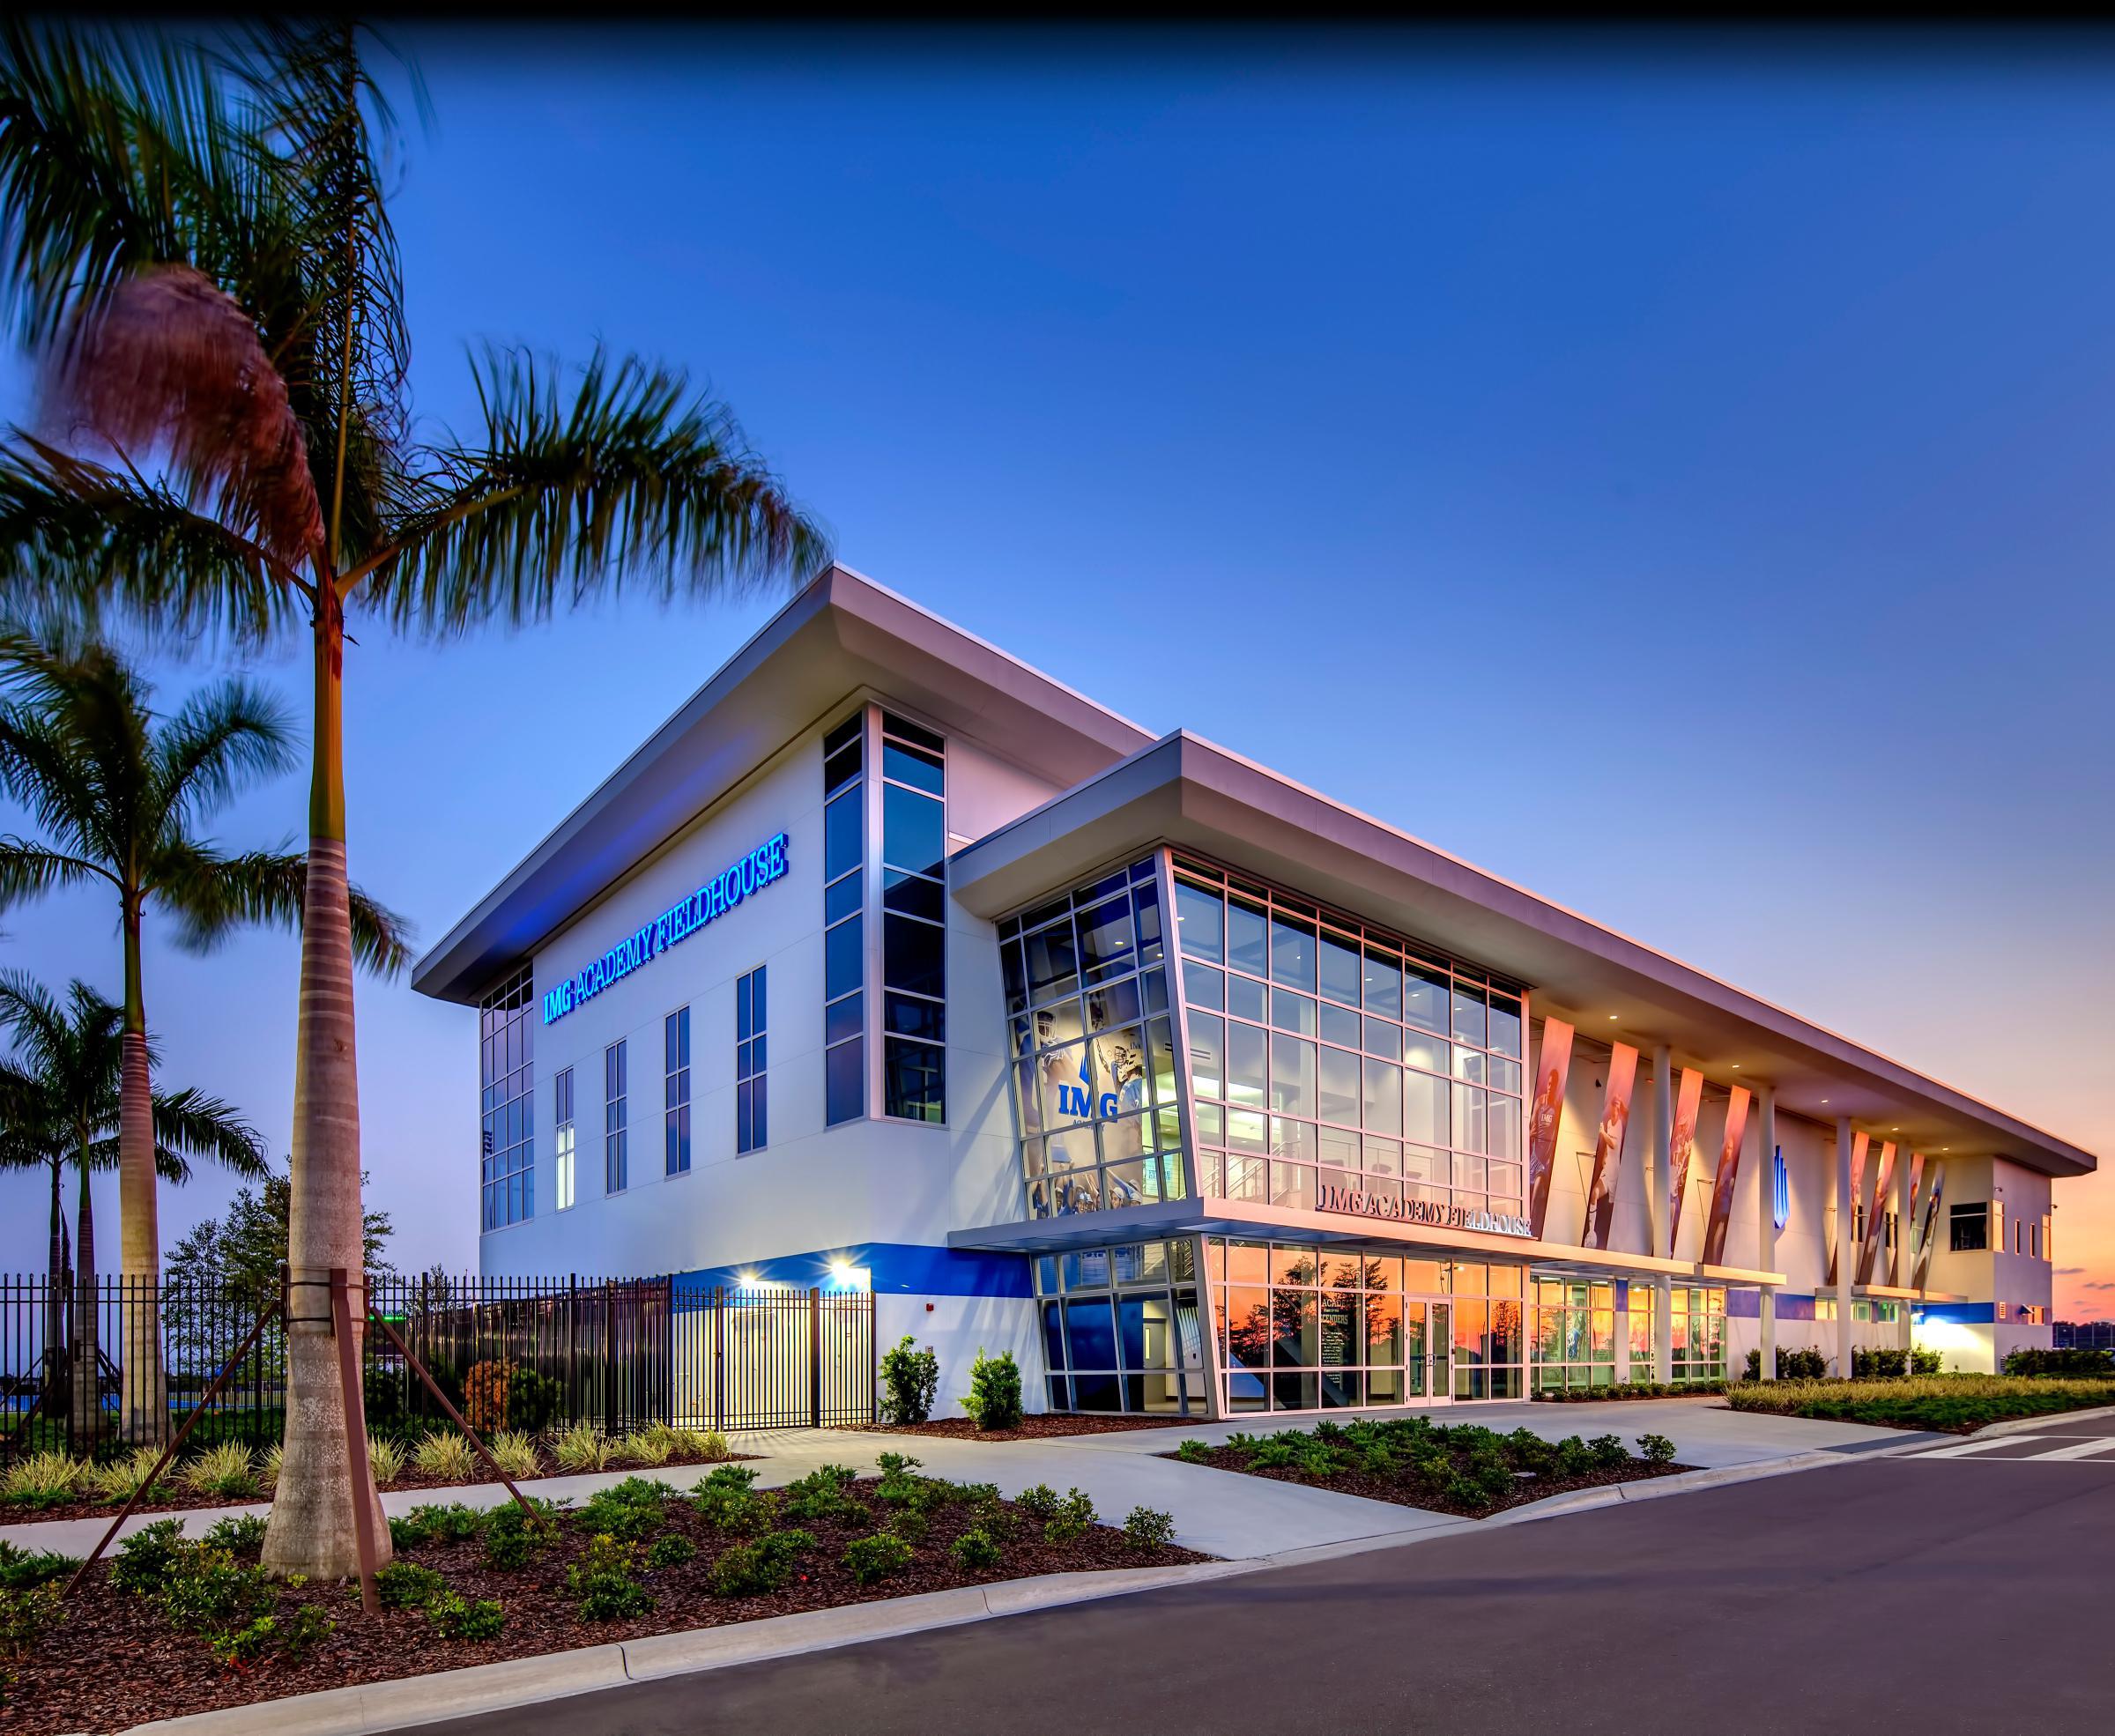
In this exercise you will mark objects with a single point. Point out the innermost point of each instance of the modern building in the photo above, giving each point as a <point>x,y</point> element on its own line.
<point>889,962</point>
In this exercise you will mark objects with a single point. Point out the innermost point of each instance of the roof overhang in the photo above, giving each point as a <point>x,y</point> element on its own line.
<point>842,634</point>
<point>1188,792</point>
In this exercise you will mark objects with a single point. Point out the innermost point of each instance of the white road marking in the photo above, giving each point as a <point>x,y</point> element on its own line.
<point>2077,1448</point>
<point>1968,1447</point>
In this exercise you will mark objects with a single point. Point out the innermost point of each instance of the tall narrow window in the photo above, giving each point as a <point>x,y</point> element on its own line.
<point>914,921</point>
<point>675,1090</point>
<point>751,1125</point>
<point>614,1133</point>
<point>507,1101</point>
<point>844,920</point>
<point>561,1116</point>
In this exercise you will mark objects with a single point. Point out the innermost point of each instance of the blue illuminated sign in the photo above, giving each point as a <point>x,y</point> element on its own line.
<point>1780,1190</point>
<point>718,895</point>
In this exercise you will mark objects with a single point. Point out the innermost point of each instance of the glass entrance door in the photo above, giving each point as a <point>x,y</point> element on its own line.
<point>1439,1353</point>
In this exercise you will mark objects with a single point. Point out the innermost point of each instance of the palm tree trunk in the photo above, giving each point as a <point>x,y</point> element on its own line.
<point>87,1407</point>
<point>311,1530</point>
<point>145,1406</point>
<point>56,1302</point>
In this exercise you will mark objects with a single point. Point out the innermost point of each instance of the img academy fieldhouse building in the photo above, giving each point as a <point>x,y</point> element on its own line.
<point>889,962</point>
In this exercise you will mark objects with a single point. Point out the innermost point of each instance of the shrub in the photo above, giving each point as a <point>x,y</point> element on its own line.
<point>1278,1452</point>
<point>1656,1449</point>
<point>976,1549</point>
<point>20,1569</point>
<point>1806,1364</point>
<point>515,1453</point>
<point>226,1470</point>
<point>446,1454</point>
<point>148,1559</point>
<point>533,1401</point>
<point>1146,1528</point>
<point>27,1614</point>
<point>994,1398</point>
<point>604,1583</point>
<point>1574,1458</point>
<point>42,1480</point>
<point>646,1449</point>
<point>385,1458</point>
<point>911,1380</point>
<point>1891,1364</point>
<point>876,1557</point>
<point>630,1511</point>
<point>754,1570</point>
<point>513,1538</point>
<point>1040,1502</point>
<point>908,1522</point>
<point>301,1632</point>
<point>274,1461</point>
<point>825,1493</point>
<point>119,1481</point>
<point>1608,1451</point>
<point>484,1395</point>
<point>244,1644</point>
<point>431,1524</point>
<point>671,1549</point>
<point>710,1444</point>
<point>1923,1362</point>
<point>382,1394</point>
<point>456,1617</point>
<point>408,1586</point>
<point>1529,1451</point>
<point>2070,1362</point>
<point>1465,1492</point>
<point>727,1500</point>
<point>239,1534</point>
<point>1194,1452</point>
<point>208,1592</point>
<point>1074,1514</point>
<point>581,1448</point>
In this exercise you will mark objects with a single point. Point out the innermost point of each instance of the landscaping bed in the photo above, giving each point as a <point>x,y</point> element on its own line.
<point>1944,1404</point>
<point>50,1486</point>
<point>1043,1426</point>
<point>1463,1469</point>
<point>169,1627</point>
<point>1631,1390</point>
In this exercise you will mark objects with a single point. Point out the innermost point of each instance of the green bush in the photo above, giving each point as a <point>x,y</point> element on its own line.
<point>1574,1458</point>
<point>876,1557</point>
<point>457,1618</point>
<point>1656,1449</point>
<point>244,1644</point>
<point>533,1402</point>
<point>630,1511</point>
<point>994,1398</point>
<point>20,1569</point>
<point>1146,1528</point>
<point>513,1538</point>
<point>301,1632</point>
<point>1074,1515</point>
<point>671,1549</point>
<point>239,1534</point>
<point>147,1560</point>
<point>431,1523</point>
<point>825,1493</point>
<point>727,1498</point>
<point>382,1395</point>
<point>604,1584</point>
<point>1955,1402</point>
<point>208,1593</point>
<point>1923,1362</point>
<point>976,1549</point>
<point>408,1586</point>
<point>27,1613</point>
<point>1194,1452</point>
<point>2071,1363</point>
<point>1040,1502</point>
<point>911,1380</point>
<point>1609,1452</point>
<point>1878,1364</point>
<point>754,1569</point>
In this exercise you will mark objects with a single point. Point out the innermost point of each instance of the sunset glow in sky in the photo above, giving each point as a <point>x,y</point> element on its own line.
<point>1675,479</point>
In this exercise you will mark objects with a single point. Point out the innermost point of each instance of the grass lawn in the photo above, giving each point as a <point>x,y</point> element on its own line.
<point>1952,1404</point>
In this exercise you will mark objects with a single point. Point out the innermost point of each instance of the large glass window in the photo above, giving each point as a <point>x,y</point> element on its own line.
<point>1122,1329</point>
<point>561,1109</point>
<point>506,1102</point>
<point>1699,1333</point>
<point>914,921</point>
<point>751,1120</point>
<point>1970,1226</point>
<point>844,920</point>
<point>1574,1335</point>
<point>675,1091</point>
<point>1094,1046</point>
<point>1381,1065</point>
<point>616,1130</point>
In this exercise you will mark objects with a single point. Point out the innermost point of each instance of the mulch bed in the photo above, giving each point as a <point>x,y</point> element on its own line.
<point>1412,1491</point>
<point>1041,1427</point>
<point>115,1661</point>
<point>179,1500</point>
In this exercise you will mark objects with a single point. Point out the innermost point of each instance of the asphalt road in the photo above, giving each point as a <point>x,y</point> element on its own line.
<point>1931,1595</point>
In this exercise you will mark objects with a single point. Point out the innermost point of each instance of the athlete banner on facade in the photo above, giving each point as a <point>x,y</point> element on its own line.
<point>1929,1232</point>
<point>1904,1263</point>
<point>1553,1066</point>
<point>1858,1141</point>
<point>1608,1144</point>
<point>1728,1175</point>
<point>1876,1213</point>
<point>1678,1147</point>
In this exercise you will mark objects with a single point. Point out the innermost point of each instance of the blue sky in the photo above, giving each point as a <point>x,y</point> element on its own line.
<point>1675,479</point>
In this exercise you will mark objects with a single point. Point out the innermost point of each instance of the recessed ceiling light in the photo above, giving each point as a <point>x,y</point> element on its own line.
<point>1613,1017</point>
<point>1736,1066</point>
<point>1824,1099</point>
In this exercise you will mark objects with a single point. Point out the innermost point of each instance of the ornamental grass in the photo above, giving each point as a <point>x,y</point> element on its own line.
<point>1953,1403</point>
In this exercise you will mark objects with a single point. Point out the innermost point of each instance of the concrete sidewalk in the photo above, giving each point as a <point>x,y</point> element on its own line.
<point>1221,1513</point>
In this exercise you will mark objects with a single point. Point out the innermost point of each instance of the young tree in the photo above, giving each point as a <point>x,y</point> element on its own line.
<point>63,1080</point>
<point>119,797</point>
<point>204,243</point>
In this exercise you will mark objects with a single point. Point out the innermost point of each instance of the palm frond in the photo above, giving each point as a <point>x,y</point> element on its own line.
<point>190,1123</point>
<point>631,478</point>
<point>219,739</point>
<point>43,770</point>
<point>29,870</point>
<point>265,888</point>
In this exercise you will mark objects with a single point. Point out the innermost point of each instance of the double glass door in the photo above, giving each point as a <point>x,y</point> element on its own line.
<point>1428,1351</point>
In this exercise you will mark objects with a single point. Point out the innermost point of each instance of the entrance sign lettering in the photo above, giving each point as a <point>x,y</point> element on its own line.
<point>1333,1197</point>
<point>718,895</point>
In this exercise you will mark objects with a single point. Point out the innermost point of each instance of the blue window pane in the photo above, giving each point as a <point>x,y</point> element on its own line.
<point>844,828</point>
<point>845,1082</point>
<point>844,958</point>
<point>913,831</point>
<point>1130,1326</point>
<point>756,996</point>
<point>1088,1331</point>
<point>1053,1335</point>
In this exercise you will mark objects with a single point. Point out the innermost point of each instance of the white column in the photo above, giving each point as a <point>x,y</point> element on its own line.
<point>1766,1219</point>
<point>1846,1260</point>
<point>1663,1137</point>
<point>1900,1271</point>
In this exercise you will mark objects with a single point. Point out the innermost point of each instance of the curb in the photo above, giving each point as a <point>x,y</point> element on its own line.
<point>2028,1425</point>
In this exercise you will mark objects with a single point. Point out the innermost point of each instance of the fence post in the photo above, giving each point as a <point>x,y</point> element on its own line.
<point>719,1358</point>
<point>814,1358</point>
<point>572,1344</point>
<point>873,1362</point>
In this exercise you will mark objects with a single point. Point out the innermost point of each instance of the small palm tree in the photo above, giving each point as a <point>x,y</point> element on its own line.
<point>202,244</point>
<point>61,1091</point>
<point>118,798</point>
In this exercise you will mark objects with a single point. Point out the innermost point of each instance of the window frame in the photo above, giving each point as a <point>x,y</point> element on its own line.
<point>752,1062</point>
<point>616,1118</point>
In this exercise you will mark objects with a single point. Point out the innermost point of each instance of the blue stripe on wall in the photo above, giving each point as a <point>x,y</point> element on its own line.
<point>1744,1304</point>
<point>1958,1314</point>
<point>896,1268</point>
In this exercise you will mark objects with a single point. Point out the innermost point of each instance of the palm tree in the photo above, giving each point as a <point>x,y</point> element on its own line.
<point>118,798</point>
<point>63,1094</point>
<point>203,245</point>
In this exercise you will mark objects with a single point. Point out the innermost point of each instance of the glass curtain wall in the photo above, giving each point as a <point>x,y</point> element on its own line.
<point>1699,1316</point>
<point>1490,1344</point>
<point>505,1095</point>
<point>1094,1045</point>
<point>1121,1329</point>
<point>914,921</point>
<point>1325,1053</point>
<point>844,920</point>
<point>1575,1334</point>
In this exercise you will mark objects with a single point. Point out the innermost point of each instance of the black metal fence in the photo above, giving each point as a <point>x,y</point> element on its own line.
<point>533,1353</point>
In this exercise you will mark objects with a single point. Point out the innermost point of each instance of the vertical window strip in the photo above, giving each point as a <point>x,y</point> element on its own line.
<point>675,1091</point>
<point>562,1115</point>
<point>615,1132</point>
<point>751,1020</point>
<point>844,920</point>
<point>914,933</point>
<point>506,1102</point>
